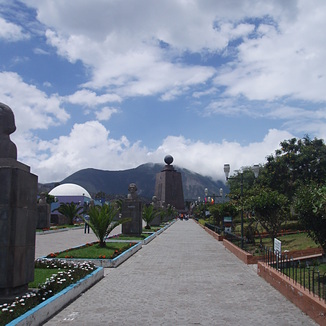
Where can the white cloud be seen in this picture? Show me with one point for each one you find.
(284, 60)
(209, 158)
(11, 32)
(33, 108)
(105, 113)
(89, 146)
(91, 99)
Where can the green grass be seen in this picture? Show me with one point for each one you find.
(152, 229)
(94, 251)
(40, 276)
(290, 242)
(127, 237)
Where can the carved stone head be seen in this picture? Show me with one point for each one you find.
(7, 126)
(132, 191)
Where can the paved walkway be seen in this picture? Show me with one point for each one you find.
(183, 277)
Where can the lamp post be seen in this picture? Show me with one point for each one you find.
(213, 196)
(255, 169)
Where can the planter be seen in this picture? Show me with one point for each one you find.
(51, 306)
(109, 263)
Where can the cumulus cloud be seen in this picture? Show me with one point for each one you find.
(91, 99)
(89, 145)
(105, 113)
(33, 108)
(276, 56)
(11, 32)
(237, 58)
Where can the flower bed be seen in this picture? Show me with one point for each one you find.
(113, 260)
(70, 276)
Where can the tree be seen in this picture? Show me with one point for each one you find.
(148, 215)
(310, 205)
(298, 161)
(70, 211)
(101, 221)
(270, 208)
(221, 210)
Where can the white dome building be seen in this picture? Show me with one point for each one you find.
(69, 190)
(67, 193)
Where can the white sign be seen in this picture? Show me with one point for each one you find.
(277, 246)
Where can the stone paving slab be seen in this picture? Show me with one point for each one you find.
(183, 277)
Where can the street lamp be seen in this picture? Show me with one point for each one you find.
(255, 169)
(214, 196)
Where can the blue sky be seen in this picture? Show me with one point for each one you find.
(115, 84)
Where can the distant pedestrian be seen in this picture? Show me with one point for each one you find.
(86, 224)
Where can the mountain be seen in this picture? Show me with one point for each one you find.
(117, 182)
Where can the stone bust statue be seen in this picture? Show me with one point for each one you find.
(7, 126)
(132, 191)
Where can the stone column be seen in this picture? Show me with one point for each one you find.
(18, 214)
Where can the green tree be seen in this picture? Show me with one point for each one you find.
(221, 210)
(148, 215)
(310, 205)
(101, 221)
(70, 210)
(270, 208)
(298, 161)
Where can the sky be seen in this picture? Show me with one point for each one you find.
(111, 85)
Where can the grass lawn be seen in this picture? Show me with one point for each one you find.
(127, 237)
(152, 229)
(291, 242)
(40, 276)
(94, 251)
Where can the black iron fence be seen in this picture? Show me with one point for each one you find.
(304, 273)
(214, 228)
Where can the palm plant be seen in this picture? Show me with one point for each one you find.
(101, 221)
(70, 210)
(148, 215)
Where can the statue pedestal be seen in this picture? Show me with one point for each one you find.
(132, 209)
(18, 218)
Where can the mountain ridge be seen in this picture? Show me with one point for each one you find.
(144, 176)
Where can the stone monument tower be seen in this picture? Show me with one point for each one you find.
(168, 186)
(18, 214)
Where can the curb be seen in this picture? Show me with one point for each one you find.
(45, 310)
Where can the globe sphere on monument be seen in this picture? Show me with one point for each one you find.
(168, 159)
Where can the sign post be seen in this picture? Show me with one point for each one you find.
(277, 250)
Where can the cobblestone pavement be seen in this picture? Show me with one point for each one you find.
(183, 277)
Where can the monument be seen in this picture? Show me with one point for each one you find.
(168, 186)
(18, 214)
(132, 208)
(158, 218)
(44, 213)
